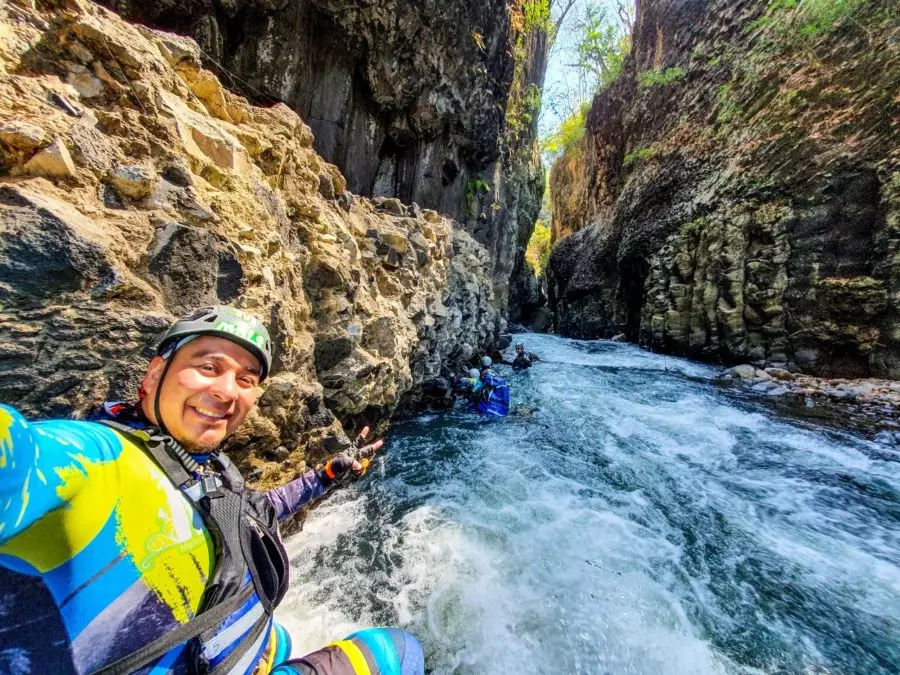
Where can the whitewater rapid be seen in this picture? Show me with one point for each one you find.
(631, 517)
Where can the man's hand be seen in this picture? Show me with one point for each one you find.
(365, 452)
(339, 467)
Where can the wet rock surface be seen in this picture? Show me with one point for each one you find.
(418, 101)
(738, 197)
(179, 193)
(870, 406)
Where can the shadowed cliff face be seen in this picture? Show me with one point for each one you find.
(408, 99)
(739, 189)
(134, 188)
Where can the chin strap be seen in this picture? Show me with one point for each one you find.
(164, 436)
(156, 397)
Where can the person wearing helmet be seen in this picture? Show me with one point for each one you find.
(523, 359)
(155, 555)
(487, 392)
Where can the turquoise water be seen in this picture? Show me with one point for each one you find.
(631, 518)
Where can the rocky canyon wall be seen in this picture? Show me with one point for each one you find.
(416, 100)
(741, 187)
(134, 187)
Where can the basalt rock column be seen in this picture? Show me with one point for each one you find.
(740, 186)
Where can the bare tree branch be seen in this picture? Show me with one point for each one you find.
(625, 16)
(559, 21)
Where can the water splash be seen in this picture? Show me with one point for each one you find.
(631, 519)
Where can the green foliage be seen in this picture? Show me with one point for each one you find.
(800, 20)
(531, 103)
(537, 16)
(601, 47)
(475, 187)
(694, 228)
(727, 108)
(538, 252)
(639, 155)
(601, 44)
(569, 135)
(649, 78)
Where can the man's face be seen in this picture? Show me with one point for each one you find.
(520, 350)
(210, 388)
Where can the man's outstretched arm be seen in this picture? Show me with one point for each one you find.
(311, 485)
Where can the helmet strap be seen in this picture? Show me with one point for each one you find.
(157, 413)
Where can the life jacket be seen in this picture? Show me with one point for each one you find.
(496, 400)
(522, 361)
(244, 527)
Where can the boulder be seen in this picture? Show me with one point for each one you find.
(764, 387)
(395, 240)
(22, 136)
(193, 267)
(392, 205)
(53, 161)
(326, 186)
(744, 372)
(85, 83)
(135, 182)
(202, 138)
(345, 201)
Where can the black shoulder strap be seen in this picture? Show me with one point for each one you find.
(205, 621)
(161, 449)
(230, 471)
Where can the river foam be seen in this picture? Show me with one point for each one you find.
(629, 518)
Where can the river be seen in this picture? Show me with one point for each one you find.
(632, 517)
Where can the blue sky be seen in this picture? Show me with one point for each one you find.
(564, 88)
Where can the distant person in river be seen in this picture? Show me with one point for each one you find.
(523, 359)
(487, 392)
(158, 557)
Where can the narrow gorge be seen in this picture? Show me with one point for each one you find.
(696, 474)
(736, 197)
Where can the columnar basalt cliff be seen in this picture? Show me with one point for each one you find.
(409, 99)
(134, 187)
(741, 189)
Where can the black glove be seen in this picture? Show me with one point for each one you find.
(364, 453)
(338, 469)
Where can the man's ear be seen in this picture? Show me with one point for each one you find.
(151, 377)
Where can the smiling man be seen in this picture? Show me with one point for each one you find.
(158, 558)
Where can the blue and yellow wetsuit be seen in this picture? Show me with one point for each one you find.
(126, 557)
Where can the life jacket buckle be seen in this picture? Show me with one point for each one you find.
(210, 487)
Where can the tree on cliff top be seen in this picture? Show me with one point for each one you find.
(595, 49)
